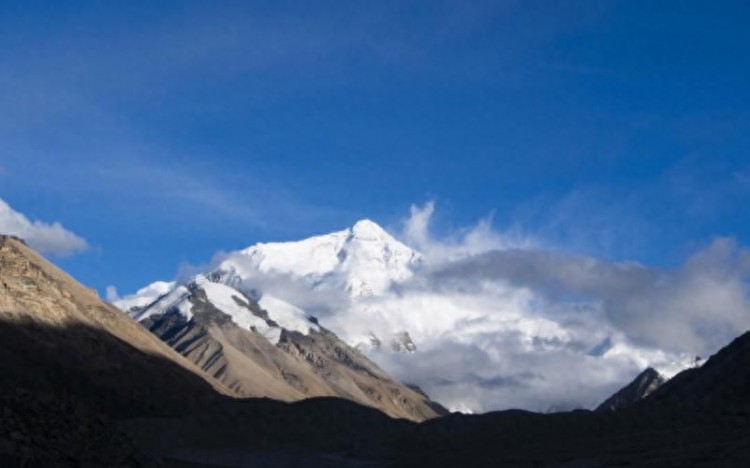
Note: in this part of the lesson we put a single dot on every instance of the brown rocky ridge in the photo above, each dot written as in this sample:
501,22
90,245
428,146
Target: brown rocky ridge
297,366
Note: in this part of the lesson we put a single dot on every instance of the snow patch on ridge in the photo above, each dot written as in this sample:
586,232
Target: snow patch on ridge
161,297
176,300
223,298
286,315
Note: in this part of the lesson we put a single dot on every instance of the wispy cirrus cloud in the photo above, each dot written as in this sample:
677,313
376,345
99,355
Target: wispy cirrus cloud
480,237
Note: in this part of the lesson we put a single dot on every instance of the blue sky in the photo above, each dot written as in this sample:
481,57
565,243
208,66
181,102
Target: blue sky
162,132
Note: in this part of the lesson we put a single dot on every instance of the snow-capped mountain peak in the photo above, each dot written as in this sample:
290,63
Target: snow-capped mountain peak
279,315
361,260
344,282
368,229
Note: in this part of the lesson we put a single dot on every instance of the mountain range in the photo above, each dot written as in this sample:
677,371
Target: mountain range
383,298
86,385
328,273
269,348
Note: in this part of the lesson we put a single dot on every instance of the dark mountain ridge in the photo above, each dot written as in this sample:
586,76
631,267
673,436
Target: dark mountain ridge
723,380
645,383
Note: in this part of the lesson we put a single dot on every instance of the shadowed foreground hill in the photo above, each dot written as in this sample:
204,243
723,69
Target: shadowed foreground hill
677,429
69,364
102,369
701,417
724,380
57,336
645,383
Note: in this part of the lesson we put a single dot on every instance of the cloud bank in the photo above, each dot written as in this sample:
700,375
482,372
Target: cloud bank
694,308
50,238
501,322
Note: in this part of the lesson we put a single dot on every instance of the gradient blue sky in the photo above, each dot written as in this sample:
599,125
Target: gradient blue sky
164,131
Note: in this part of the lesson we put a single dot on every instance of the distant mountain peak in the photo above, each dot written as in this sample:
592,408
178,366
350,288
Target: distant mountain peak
646,383
366,228
362,260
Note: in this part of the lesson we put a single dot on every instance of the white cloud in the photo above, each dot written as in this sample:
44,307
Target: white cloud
51,238
475,239
141,298
491,345
506,324
111,294
415,227
694,308
500,322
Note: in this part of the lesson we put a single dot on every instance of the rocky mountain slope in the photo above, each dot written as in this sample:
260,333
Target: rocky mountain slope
339,271
56,335
249,353
272,349
70,364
